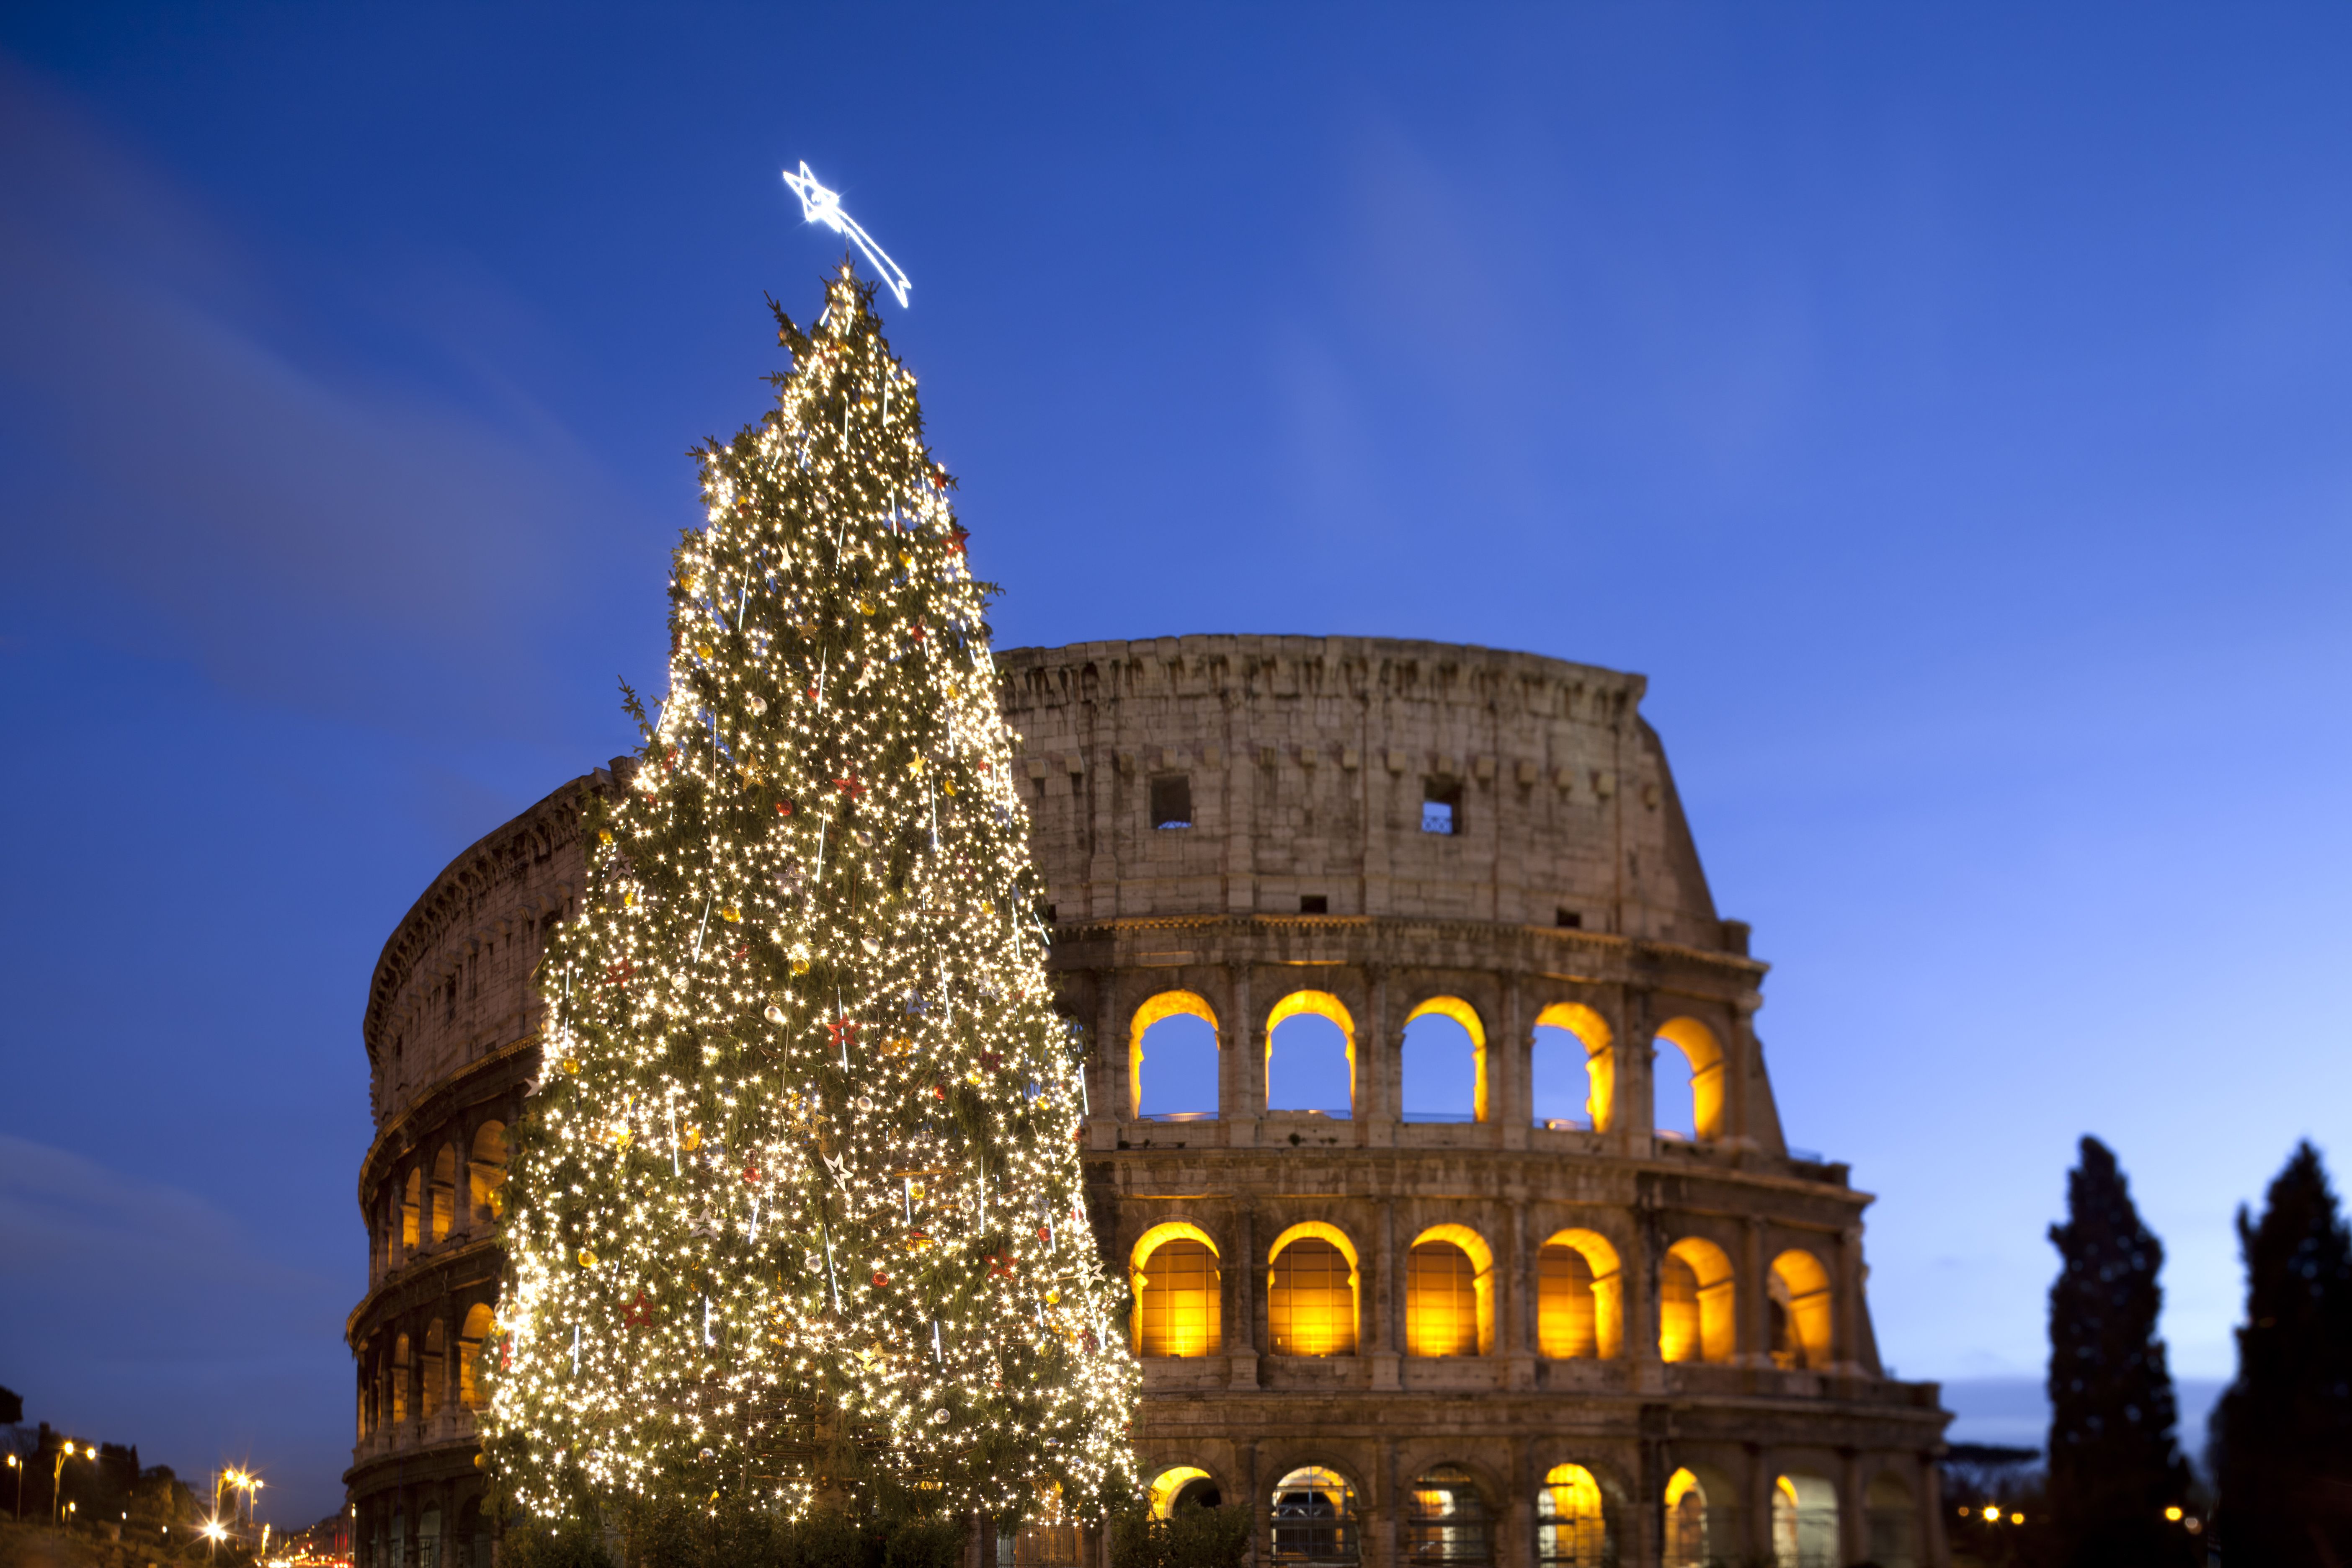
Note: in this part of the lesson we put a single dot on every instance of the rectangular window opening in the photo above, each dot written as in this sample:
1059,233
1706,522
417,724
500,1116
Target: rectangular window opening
1172,800
1314,904
1568,920
1440,805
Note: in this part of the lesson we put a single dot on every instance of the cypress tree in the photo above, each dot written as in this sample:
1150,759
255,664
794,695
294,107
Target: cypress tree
2281,1448
2114,1466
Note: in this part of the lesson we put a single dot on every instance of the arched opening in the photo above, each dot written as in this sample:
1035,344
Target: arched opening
1446,1520
1177,1292
1804,1522
428,1537
1573,1077
1172,1066
1571,1521
436,1361
1182,1486
1687,1087
1311,1299
1696,1302
1310,1056
1443,1063
399,1378
1686,1522
1797,1293
486,1171
470,1339
411,1199
1313,1515
1449,1293
444,1192
1894,1522
1579,1297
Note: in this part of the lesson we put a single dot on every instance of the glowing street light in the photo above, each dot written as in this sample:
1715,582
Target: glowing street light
17,1465
57,1475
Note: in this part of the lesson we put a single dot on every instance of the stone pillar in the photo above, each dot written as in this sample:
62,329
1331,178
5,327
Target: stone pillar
1244,1068
1845,1321
1853,1523
1636,1116
1756,1502
1510,1082
1388,1342
1755,1341
1241,1274
1376,1055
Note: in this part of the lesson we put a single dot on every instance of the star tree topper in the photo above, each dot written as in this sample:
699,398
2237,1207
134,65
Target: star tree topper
819,204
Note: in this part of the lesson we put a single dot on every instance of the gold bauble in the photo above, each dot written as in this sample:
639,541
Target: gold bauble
570,1066
730,915
864,606
948,785
693,1139
603,836
800,966
702,651
587,1258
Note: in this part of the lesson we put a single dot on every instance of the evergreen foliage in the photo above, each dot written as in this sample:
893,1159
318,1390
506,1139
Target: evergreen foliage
2114,1467
1188,1538
796,1222
2282,1435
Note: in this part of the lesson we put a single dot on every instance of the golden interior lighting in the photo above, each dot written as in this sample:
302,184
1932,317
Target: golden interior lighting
411,1196
1440,1303
1313,1516
470,1356
1698,1043
1571,1527
1311,1293
1696,1303
1177,1306
400,1379
1687,1531
1579,1297
1799,1289
1446,1520
1169,1484
436,1339
1600,1063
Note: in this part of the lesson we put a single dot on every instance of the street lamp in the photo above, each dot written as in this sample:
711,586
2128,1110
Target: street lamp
57,1472
17,1465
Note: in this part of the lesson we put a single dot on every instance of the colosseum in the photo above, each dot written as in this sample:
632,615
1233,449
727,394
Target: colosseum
1428,1119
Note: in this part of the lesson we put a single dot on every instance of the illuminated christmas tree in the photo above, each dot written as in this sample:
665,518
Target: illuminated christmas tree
796,1220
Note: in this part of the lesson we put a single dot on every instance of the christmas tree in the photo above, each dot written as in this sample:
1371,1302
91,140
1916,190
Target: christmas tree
796,1219
2282,1449
2114,1466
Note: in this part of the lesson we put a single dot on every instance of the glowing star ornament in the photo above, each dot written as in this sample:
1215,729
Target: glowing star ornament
819,204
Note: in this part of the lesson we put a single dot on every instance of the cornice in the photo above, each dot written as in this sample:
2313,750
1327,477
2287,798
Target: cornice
464,1084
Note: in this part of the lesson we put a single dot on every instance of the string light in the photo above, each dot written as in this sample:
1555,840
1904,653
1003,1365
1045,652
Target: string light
764,1231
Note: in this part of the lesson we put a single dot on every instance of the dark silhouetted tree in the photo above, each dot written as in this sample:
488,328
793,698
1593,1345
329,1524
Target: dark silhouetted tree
2114,1467
2281,1435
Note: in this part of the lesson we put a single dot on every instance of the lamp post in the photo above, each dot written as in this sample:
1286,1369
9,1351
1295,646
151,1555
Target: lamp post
17,1465
56,1474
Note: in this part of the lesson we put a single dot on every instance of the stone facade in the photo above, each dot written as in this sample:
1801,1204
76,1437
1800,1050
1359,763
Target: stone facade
1736,1362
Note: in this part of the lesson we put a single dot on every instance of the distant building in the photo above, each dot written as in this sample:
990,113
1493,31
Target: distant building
1543,1329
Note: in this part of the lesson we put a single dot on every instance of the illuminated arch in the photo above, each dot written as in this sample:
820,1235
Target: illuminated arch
1698,1045
1308,1312
1466,1015
1181,1314
1431,1288
1320,1005
399,1378
1171,1484
1312,1519
412,1197
1571,1519
444,1192
1580,1313
1600,1061
470,1336
1805,1521
1697,1298
1800,1292
1446,1520
1167,1005
1687,1544
486,1169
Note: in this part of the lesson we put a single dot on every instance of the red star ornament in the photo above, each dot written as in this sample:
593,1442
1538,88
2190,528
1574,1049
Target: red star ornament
640,1313
843,1033
956,537
849,786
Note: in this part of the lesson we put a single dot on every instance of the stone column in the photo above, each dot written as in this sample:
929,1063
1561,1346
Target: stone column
1243,1067
1376,1063
1510,1068
1388,1342
1636,1116
1757,1492
1845,1321
1241,1273
1755,1341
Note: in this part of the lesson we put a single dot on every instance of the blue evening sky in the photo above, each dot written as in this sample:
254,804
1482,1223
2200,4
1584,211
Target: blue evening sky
1944,408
